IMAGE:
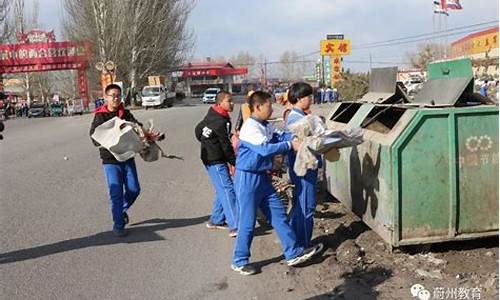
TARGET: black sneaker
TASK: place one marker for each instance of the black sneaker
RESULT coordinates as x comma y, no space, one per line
119,232
125,218
244,270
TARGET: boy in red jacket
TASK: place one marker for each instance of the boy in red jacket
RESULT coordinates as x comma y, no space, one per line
120,176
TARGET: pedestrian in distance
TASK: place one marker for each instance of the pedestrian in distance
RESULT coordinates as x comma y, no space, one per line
218,157
258,144
335,95
483,90
328,95
320,95
304,193
25,109
121,177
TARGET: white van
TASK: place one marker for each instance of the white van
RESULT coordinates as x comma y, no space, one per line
156,96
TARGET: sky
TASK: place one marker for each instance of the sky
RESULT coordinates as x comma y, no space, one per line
267,28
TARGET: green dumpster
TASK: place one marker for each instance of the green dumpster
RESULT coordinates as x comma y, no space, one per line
428,170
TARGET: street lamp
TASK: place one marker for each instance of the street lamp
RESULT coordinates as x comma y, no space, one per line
108,73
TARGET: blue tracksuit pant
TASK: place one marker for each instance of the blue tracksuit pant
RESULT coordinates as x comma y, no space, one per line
225,207
304,197
255,190
123,189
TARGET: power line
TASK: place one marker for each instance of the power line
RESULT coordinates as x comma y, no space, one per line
314,61
429,33
417,38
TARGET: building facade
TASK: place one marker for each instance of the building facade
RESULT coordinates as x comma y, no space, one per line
482,48
197,77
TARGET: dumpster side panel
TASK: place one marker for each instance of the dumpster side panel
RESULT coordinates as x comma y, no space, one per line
424,178
477,144
359,180
337,179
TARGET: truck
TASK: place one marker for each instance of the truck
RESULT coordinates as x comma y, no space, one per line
156,94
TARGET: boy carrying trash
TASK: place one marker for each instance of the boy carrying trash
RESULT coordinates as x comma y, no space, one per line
258,144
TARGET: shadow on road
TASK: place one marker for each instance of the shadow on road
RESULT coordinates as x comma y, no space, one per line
359,284
137,234
341,234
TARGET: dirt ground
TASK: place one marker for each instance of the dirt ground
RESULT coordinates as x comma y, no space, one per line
357,264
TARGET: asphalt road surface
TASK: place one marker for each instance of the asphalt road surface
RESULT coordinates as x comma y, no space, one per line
55,239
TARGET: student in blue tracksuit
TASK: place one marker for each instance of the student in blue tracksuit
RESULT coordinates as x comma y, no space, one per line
258,144
302,220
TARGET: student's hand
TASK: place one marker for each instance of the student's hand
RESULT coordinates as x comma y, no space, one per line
232,169
296,144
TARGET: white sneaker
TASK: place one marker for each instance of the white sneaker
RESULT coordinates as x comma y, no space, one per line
305,256
244,270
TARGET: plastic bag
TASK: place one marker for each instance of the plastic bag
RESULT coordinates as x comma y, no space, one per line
338,139
317,139
119,137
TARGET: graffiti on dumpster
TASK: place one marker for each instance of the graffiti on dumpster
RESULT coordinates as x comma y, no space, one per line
479,152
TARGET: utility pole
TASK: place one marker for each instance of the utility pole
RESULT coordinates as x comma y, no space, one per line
265,72
322,70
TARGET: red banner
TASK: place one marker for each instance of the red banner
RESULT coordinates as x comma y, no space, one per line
214,72
44,53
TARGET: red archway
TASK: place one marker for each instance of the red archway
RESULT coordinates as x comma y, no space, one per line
39,52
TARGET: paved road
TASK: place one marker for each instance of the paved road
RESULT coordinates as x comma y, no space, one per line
55,241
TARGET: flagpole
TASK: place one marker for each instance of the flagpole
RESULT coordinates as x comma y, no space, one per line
433,18
440,52
445,37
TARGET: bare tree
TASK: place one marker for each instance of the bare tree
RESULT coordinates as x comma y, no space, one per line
19,21
141,37
353,85
5,25
158,38
245,59
292,68
425,54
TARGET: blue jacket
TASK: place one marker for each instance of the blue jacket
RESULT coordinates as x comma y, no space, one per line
259,142
294,116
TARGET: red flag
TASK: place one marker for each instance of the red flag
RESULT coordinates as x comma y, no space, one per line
453,4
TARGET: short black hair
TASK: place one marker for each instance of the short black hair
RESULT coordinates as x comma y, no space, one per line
299,90
259,98
112,87
221,95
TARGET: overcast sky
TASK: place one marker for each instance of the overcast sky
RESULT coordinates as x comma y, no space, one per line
270,27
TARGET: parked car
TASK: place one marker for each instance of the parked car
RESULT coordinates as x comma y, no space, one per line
38,109
413,85
209,95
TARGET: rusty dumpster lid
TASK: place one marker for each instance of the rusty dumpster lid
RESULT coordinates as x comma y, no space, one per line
444,91
451,83
383,87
